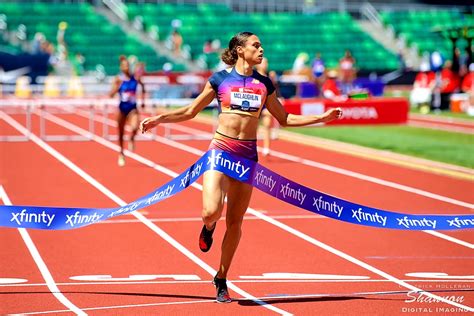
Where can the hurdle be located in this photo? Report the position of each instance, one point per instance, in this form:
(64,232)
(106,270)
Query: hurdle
(15,107)
(97,111)
(64,106)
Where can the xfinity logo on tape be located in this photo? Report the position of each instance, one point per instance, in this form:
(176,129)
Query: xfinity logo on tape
(461,222)
(161,194)
(360,216)
(127,209)
(406,222)
(77,218)
(287,191)
(237,167)
(190,175)
(25,217)
(333,207)
(268,181)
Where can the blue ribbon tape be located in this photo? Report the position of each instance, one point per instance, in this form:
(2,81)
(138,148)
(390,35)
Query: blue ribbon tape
(243,170)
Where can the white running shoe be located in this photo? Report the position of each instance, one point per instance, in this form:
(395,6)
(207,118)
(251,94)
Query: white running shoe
(121,160)
(265,151)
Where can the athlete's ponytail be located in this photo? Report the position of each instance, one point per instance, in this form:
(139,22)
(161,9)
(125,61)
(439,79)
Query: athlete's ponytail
(229,55)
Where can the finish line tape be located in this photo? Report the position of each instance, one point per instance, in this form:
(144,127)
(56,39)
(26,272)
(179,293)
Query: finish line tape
(243,170)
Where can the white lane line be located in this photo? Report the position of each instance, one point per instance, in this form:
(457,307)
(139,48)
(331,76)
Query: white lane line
(382,182)
(441,127)
(50,283)
(266,218)
(142,218)
(198,219)
(455,281)
(111,307)
(288,297)
(292,158)
(450,238)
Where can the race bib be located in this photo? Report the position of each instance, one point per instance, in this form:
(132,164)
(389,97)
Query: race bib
(245,99)
(127,97)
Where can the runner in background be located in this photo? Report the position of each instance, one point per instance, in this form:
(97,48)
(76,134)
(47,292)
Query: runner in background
(125,84)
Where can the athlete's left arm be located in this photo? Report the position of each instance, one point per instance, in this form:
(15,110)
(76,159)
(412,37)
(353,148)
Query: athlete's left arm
(142,85)
(286,119)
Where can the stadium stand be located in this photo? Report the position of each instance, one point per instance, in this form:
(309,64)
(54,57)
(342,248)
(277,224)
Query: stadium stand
(88,32)
(284,35)
(428,29)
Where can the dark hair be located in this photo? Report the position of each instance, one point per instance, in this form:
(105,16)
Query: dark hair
(229,55)
(122,58)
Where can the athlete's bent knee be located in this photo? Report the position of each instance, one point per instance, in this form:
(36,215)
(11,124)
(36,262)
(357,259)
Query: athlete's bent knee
(210,216)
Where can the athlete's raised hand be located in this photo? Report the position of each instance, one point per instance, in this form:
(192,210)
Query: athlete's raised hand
(149,123)
(332,114)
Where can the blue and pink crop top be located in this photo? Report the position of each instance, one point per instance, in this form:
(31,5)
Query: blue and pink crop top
(241,94)
(128,90)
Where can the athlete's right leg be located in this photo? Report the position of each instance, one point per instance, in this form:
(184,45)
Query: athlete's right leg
(215,186)
(134,121)
(121,120)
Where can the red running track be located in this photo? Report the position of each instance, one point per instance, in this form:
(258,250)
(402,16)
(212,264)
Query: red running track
(341,268)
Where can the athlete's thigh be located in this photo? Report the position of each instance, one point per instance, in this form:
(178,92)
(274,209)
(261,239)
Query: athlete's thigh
(238,199)
(121,119)
(215,186)
(133,119)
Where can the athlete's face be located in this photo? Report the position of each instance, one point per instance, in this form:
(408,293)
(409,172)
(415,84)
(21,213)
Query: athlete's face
(124,66)
(253,50)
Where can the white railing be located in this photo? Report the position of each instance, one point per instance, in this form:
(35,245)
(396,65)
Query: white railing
(371,14)
(117,7)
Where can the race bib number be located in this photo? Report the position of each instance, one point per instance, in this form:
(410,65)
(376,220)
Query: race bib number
(127,97)
(245,99)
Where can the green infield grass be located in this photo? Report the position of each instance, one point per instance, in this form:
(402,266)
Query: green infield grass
(453,148)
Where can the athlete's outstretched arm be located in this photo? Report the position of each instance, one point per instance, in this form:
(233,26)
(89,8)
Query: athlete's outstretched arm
(115,86)
(286,119)
(142,85)
(181,114)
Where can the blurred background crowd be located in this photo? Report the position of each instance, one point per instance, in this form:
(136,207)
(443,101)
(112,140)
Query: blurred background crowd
(328,49)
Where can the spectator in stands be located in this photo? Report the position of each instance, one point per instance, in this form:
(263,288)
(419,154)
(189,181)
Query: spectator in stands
(347,71)
(456,67)
(177,42)
(464,60)
(317,67)
(449,84)
(154,32)
(241,93)
(78,64)
(126,85)
(207,48)
(436,61)
(425,82)
(300,64)
(37,43)
(468,84)
(138,23)
(61,42)
(330,89)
